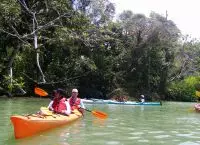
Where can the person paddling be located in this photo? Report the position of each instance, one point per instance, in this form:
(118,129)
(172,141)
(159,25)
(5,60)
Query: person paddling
(59,104)
(75,102)
(142,99)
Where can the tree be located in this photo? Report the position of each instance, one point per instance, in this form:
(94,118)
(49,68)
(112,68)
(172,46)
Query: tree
(35,23)
(100,12)
(150,43)
(186,60)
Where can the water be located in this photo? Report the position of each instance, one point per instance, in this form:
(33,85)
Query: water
(173,123)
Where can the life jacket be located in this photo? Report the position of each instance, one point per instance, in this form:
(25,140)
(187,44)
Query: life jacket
(74,104)
(55,104)
(59,105)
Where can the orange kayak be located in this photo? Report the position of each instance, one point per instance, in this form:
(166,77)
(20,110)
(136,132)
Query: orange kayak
(29,125)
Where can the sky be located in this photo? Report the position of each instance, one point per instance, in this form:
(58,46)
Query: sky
(184,13)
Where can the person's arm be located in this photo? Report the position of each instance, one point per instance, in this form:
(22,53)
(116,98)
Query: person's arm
(68,110)
(50,106)
(82,105)
(142,100)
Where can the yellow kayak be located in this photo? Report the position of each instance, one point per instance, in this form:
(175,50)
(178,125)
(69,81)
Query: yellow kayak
(29,125)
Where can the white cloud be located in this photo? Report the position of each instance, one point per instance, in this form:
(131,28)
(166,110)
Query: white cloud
(184,13)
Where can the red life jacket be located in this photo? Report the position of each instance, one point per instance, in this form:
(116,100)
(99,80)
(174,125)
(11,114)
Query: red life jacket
(74,104)
(55,104)
(59,105)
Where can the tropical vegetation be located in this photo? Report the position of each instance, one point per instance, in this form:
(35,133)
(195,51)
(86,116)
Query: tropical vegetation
(80,43)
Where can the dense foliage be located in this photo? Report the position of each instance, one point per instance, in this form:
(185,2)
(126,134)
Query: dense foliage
(76,43)
(183,90)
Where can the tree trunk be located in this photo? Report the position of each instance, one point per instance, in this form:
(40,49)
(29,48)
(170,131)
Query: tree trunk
(36,47)
(6,70)
(163,81)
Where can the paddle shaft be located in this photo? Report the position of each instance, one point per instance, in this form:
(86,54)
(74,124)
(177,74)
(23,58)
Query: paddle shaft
(86,109)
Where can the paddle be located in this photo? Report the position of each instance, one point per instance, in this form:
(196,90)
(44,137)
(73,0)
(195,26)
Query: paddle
(40,92)
(96,113)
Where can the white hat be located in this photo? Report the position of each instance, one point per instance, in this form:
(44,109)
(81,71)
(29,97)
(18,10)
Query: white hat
(75,90)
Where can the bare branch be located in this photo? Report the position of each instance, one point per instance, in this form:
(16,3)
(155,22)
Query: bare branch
(49,24)
(23,3)
(34,18)
(14,35)
(66,80)
(8,33)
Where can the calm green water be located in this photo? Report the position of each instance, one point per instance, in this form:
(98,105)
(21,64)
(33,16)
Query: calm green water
(170,124)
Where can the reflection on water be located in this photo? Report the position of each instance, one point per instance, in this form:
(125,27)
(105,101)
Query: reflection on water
(138,125)
(99,122)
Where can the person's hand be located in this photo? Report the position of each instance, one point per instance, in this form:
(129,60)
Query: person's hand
(51,109)
(81,110)
(63,111)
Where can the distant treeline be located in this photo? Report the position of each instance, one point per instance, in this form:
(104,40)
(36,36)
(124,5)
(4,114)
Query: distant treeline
(76,43)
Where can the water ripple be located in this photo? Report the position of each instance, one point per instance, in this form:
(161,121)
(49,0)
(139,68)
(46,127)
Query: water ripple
(189,143)
(155,132)
(143,140)
(133,137)
(112,142)
(184,135)
(136,133)
(162,136)
(101,133)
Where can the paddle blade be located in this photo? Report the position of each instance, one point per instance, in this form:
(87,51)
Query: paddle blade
(99,114)
(40,92)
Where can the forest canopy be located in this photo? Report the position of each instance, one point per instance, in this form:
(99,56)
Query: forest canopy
(77,43)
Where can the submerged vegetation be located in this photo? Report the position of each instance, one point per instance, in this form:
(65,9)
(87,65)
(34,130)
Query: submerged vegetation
(76,43)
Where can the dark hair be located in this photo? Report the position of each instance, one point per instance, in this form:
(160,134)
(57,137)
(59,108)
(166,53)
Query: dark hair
(53,94)
(61,92)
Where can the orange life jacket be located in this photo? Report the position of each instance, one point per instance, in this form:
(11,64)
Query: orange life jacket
(59,105)
(74,104)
